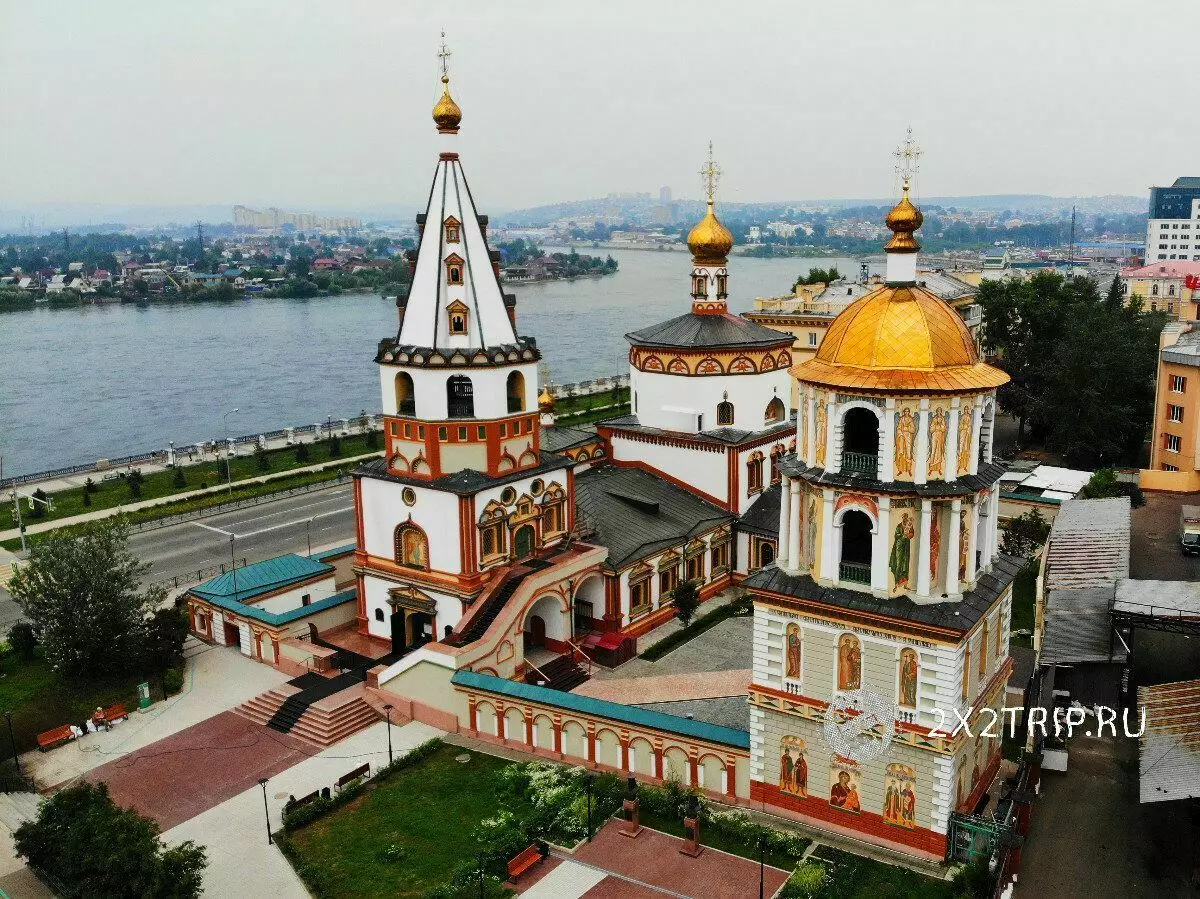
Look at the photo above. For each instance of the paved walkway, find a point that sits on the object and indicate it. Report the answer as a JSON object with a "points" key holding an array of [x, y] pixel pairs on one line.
{"points": [[216, 678], [724, 647], [668, 687], [240, 862]]}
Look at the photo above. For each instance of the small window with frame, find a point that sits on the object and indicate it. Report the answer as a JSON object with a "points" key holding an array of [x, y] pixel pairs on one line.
{"points": [[457, 317], [454, 269], [453, 230]]}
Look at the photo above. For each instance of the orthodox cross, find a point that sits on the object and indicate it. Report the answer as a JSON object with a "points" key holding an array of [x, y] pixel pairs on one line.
{"points": [[908, 156], [444, 54], [711, 174]]}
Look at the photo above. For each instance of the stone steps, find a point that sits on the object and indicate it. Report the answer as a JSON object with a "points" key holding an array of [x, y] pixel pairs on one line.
{"points": [[322, 724], [17, 808]]}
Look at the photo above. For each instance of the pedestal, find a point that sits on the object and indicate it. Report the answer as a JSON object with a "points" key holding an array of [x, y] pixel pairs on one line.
{"points": [[691, 845], [630, 827]]}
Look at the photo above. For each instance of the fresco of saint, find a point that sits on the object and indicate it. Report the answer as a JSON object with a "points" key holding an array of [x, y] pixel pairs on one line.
{"points": [[843, 789], [908, 678], [849, 663], [965, 427], [792, 655], [901, 556], [937, 442], [793, 767], [906, 442]]}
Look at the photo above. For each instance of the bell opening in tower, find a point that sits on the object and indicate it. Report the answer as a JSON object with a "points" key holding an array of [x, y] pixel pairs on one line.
{"points": [[860, 443], [460, 397], [855, 561]]}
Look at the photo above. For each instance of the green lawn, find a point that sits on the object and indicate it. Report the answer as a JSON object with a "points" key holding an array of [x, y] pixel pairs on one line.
{"points": [[41, 700], [571, 405], [855, 877], [211, 473], [428, 810], [1024, 597]]}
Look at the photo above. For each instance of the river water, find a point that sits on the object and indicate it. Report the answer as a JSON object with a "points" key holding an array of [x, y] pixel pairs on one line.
{"points": [[93, 382]]}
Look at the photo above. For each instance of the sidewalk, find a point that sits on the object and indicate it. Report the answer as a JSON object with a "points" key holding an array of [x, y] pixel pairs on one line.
{"points": [[14, 533], [235, 832]]}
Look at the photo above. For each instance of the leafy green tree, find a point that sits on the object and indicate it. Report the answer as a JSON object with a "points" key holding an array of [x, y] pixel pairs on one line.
{"points": [[39, 504], [302, 454], [134, 481], [165, 635], [335, 446], [1023, 535], [89, 486], [1104, 485], [686, 598], [261, 459], [93, 847], [178, 477], [22, 639], [83, 594]]}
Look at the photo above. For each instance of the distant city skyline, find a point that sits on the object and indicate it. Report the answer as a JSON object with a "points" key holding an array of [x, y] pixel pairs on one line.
{"points": [[298, 105]]}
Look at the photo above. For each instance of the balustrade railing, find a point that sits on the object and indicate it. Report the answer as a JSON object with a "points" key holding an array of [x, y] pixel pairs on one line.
{"points": [[854, 573], [860, 463]]}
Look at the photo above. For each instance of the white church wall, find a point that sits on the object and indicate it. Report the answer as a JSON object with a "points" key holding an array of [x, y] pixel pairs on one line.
{"points": [[294, 599], [449, 608], [490, 389], [749, 394], [705, 470], [435, 512]]}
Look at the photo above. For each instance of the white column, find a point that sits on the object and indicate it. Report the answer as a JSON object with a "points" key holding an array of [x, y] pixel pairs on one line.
{"points": [[879, 546], [972, 542], [829, 570], [833, 439], [976, 433], [994, 528], [953, 534], [923, 547], [504, 718], [724, 780], [921, 472], [794, 529], [810, 438], [887, 441], [653, 764], [785, 525], [991, 441], [950, 467]]}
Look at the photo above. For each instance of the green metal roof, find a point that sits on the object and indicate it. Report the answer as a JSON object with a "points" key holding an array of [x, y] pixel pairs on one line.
{"points": [[280, 618], [336, 551], [613, 711], [262, 577]]}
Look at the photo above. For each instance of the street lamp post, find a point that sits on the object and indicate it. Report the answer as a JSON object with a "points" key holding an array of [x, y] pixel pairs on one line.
{"points": [[308, 533], [387, 710], [262, 782], [233, 563], [13, 741], [228, 451]]}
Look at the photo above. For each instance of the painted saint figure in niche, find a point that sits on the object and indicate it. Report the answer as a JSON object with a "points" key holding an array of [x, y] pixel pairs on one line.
{"points": [[937, 442], [906, 442], [899, 561], [793, 767], [964, 542], [792, 638], [843, 792], [822, 424], [412, 548], [849, 663], [810, 548], [908, 678], [900, 796], [965, 426], [935, 545]]}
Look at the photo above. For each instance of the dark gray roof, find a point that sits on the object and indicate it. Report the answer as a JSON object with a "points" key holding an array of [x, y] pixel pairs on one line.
{"points": [[692, 330], [988, 476], [464, 482], [763, 515], [392, 351], [958, 616], [1024, 659], [716, 436], [555, 439], [637, 515], [1078, 627]]}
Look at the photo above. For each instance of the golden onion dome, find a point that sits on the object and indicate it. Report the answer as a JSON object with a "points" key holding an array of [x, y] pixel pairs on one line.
{"points": [[710, 241], [545, 401], [899, 337], [446, 114], [903, 220]]}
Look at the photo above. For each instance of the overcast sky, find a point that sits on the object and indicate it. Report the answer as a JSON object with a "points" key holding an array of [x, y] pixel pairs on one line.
{"points": [[326, 103]]}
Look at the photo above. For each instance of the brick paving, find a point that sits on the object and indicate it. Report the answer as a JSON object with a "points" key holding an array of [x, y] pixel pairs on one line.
{"points": [[198, 768], [668, 687], [725, 647]]}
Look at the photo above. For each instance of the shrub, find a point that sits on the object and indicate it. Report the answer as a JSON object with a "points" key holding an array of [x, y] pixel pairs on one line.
{"points": [[22, 639], [39, 504], [261, 459], [335, 446], [87, 499], [178, 478], [302, 454], [134, 481], [372, 440], [172, 681], [806, 881], [686, 598]]}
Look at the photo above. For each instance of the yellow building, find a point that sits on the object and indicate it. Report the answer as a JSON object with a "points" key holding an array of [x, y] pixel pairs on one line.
{"points": [[1170, 286], [1177, 401]]}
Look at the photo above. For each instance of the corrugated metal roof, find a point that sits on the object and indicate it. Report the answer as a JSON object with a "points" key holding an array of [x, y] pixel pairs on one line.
{"points": [[262, 577], [1169, 749], [1167, 599], [1089, 544], [613, 711], [1078, 627], [336, 551]]}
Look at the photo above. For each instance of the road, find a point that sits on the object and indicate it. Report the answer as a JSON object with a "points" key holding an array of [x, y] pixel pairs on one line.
{"points": [[261, 532]]}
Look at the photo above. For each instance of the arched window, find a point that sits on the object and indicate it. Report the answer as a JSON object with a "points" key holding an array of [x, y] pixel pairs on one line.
{"points": [[412, 547], [775, 412], [855, 564], [1154, 289], [457, 317], [379, 614], [452, 229], [860, 442], [516, 392], [460, 397], [454, 269], [754, 472], [724, 413], [699, 287], [722, 285], [406, 402]]}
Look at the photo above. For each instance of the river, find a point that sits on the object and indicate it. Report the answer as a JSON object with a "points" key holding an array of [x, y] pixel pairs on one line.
{"points": [[80, 384]]}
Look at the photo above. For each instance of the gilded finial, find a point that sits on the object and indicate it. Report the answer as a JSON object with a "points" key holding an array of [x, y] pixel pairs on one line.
{"points": [[711, 175], [710, 241], [446, 113], [905, 218]]}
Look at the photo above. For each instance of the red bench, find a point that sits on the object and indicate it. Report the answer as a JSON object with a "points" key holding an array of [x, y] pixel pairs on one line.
{"points": [[523, 862], [56, 737], [115, 712]]}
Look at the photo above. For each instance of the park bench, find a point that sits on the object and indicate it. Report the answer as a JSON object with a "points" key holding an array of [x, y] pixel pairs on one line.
{"points": [[293, 804], [363, 770], [109, 716], [523, 862], [56, 737]]}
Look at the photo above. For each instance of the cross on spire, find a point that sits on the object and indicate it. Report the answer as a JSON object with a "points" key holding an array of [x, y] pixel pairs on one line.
{"points": [[444, 54], [711, 175], [908, 156]]}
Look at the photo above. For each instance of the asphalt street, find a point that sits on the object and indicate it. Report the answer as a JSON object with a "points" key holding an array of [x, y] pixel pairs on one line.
{"points": [[321, 518]]}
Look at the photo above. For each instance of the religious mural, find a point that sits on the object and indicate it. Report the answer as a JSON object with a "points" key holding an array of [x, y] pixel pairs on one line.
{"points": [[937, 443], [810, 544], [412, 547], [964, 543], [906, 443], [792, 651], [900, 560], [793, 767], [849, 663], [965, 425], [900, 796], [822, 426], [908, 678], [935, 545], [844, 778]]}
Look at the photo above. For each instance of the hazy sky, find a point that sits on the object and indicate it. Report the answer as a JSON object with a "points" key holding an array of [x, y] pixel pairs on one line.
{"points": [[326, 103]]}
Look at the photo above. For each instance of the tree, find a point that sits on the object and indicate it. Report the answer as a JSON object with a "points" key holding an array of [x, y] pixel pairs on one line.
{"points": [[178, 478], [93, 847], [39, 504], [335, 446], [82, 592], [134, 481], [165, 634], [301, 452], [261, 459], [22, 639], [1023, 535], [686, 599], [1104, 484]]}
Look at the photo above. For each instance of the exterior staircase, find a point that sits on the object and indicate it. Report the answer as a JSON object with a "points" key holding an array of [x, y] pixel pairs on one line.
{"points": [[561, 673], [17, 808], [318, 723]]}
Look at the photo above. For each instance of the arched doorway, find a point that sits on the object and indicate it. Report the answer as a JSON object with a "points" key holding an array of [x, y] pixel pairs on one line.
{"points": [[460, 397], [523, 541], [516, 392], [535, 633], [855, 564], [546, 625], [589, 604], [860, 443]]}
